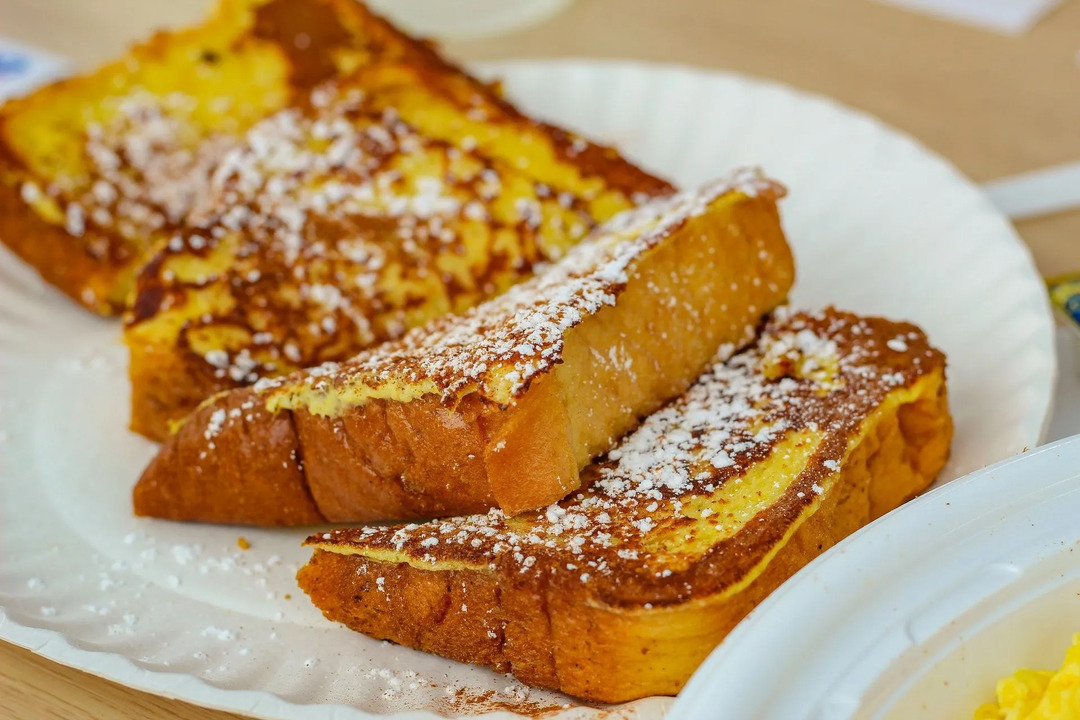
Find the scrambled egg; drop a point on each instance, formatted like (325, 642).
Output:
(1039, 694)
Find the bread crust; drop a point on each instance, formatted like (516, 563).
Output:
(59, 259)
(262, 478)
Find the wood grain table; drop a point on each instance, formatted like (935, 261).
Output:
(994, 105)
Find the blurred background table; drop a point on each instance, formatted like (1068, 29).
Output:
(994, 105)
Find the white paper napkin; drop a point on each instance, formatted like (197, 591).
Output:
(1007, 16)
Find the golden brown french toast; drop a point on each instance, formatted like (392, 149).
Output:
(422, 192)
(83, 203)
(622, 589)
(381, 205)
(500, 406)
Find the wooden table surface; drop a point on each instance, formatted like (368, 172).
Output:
(995, 105)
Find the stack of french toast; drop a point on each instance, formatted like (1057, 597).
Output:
(358, 286)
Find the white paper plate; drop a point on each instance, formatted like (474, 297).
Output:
(917, 616)
(879, 225)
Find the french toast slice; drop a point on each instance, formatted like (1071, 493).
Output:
(622, 589)
(83, 204)
(383, 204)
(98, 171)
(501, 406)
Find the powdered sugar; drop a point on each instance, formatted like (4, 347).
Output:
(343, 195)
(688, 460)
(499, 347)
(219, 633)
(214, 424)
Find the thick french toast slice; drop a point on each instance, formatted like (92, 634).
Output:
(98, 170)
(622, 589)
(384, 204)
(83, 204)
(501, 406)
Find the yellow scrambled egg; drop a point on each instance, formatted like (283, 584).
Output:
(1039, 694)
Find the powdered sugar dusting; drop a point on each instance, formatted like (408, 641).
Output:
(499, 347)
(337, 219)
(625, 521)
(145, 175)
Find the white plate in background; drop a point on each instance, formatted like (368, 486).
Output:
(466, 19)
(917, 616)
(878, 224)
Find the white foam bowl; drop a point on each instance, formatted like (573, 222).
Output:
(919, 614)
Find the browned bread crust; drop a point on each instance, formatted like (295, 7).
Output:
(620, 591)
(503, 406)
(81, 275)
